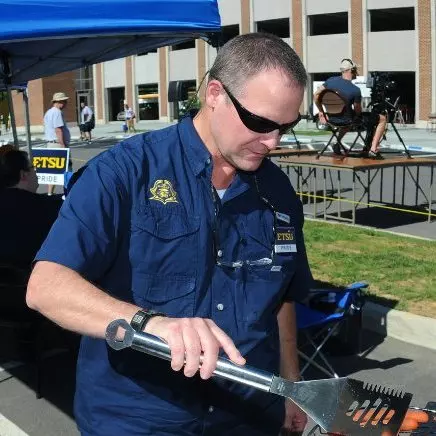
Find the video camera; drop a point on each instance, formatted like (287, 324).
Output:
(380, 84)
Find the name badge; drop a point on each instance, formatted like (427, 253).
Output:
(283, 217)
(285, 240)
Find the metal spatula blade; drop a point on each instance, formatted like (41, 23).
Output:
(347, 406)
(339, 405)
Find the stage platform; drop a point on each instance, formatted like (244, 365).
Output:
(288, 152)
(335, 187)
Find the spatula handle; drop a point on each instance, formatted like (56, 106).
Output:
(119, 335)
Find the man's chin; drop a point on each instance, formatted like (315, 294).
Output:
(250, 164)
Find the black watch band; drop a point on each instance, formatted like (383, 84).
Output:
(141, 318)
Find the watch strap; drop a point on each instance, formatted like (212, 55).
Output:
(141, 318)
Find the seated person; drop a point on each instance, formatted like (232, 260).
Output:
(343, 84)
(26, 217)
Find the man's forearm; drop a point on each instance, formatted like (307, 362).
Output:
(69, 300)
(289, 363)
(60, 136)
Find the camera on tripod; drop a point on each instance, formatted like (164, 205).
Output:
(381, 84)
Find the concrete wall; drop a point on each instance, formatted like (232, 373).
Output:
(114, 73)
(314, 7)
(267, 10)
(384, 50)
(387, 4)
(147, 68)
(320, 56)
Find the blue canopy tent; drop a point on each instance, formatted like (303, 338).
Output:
(44, 37)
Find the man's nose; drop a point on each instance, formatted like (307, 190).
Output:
(271, 140)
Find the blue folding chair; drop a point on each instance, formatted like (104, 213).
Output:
(317, 327)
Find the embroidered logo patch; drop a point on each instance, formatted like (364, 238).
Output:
(164, 192)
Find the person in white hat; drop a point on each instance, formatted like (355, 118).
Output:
(343, 84)
(56, 132)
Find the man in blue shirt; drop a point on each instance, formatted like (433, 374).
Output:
(351, 93)
(191, 235)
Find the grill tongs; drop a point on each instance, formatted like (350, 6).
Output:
(339, 405)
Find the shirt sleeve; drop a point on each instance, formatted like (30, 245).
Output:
(86, 234)
(58, 121)
(358, 96)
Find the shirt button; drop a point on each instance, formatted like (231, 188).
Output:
(208, 161)
(220, 306)
(210, 408)
(220, 253)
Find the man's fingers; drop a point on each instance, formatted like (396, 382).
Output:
(226, 343)
(192, 350)
(177, 347)
(210, 347)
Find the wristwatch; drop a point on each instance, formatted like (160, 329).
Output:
(141, 318)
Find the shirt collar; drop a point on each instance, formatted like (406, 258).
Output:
(198, 155)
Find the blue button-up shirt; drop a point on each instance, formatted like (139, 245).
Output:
(144, 224)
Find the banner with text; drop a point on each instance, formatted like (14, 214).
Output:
(51, 164)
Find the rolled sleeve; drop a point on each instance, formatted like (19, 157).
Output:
(86, 234)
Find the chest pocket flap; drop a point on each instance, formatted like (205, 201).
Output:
(165, 222)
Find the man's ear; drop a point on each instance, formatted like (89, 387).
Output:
(24, 175)
(213, 91)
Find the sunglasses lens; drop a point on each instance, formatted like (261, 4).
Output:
(257, 125)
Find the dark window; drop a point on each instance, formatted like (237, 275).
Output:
(229, 32)
(278, 27)
(328, 24)
(382, 20)
(183, 45)
(154, 50)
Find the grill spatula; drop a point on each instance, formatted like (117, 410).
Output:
(338, 405)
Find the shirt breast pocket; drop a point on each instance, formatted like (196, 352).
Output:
(165, 241)
(264, 285)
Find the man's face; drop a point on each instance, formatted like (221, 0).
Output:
(82, 105)
(270, 95)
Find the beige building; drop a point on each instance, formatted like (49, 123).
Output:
(395, 36)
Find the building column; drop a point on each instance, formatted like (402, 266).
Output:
(297, 27)
(245, 25)
(356, 31)
(298, 38)
(424, 71)
(433, 55)
(163, 83)
(128, 90)
(201, 47)
(99, 105)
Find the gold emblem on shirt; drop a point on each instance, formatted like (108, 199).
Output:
(164, 192)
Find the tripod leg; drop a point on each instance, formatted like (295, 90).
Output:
(400, 139)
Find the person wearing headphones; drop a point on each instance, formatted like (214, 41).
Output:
(346, 88)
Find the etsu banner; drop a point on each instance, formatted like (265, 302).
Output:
(51, 164)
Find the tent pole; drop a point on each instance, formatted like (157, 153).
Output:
(12, 114)
(27, 120)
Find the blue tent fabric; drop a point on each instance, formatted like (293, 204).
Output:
(44, 37)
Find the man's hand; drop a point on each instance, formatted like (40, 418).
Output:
(322, 118)
(189, 338)
(295, 419)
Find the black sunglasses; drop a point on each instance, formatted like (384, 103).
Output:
(256, 123)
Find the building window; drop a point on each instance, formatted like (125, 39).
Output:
(148, 101)
(328, 24)
(385, 20)
(154, 50)
(279, 27)
(229, 32)
(183, 45)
